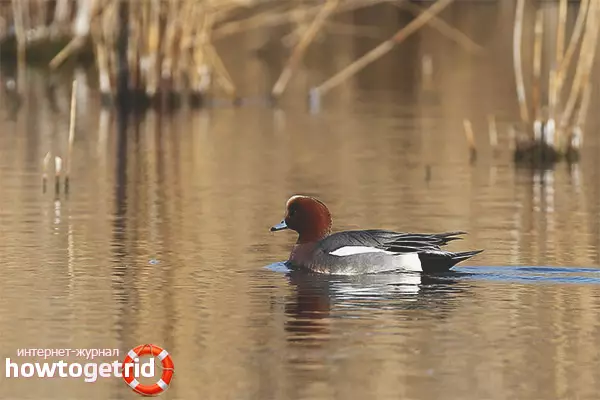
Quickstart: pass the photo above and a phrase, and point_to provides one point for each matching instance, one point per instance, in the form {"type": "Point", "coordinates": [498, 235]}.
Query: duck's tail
{"type": "Point", "coordinates": [432, 262]}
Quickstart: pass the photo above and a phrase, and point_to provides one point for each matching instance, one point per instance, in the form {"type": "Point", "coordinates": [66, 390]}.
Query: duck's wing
{"type": "Point", "coordinates": [387, 250]}
{"type": "Point", "coordinates": [377, 239]}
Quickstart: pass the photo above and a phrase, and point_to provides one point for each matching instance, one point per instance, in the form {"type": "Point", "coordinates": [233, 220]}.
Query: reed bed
{"type": "Point", "coordinates": [554, 126]}
{"type": "Point", "coordinates": [168, 51]}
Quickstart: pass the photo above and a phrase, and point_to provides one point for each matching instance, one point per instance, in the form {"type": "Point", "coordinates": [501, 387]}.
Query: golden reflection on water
{"type": "Point", "coordinates": [164, 239]}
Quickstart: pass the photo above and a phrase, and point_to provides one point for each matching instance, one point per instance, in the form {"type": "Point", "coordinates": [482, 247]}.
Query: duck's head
{"type": "Point", "coordinates": [307, 216]}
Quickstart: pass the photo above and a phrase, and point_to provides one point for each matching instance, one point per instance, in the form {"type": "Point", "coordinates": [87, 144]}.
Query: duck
{"type": "Point", "coordinates": [359, 252]}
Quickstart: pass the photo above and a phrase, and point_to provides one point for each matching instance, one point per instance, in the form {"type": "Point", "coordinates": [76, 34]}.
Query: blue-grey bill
{"type": "Point", "coordinates": [279, 227]}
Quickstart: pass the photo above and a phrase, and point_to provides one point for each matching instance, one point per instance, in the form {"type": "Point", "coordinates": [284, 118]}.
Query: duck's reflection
{"type": "Point", "coordinates": [318, 298]}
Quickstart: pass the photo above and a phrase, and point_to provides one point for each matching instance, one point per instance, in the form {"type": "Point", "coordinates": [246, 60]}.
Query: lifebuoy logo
{"type": "Point", "coordinates": [132, 362]}
{"type": "Point", "coordinates": [130, 370]}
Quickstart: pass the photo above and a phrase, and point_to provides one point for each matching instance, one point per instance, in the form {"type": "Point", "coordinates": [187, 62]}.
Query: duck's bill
{"type": "Point", "coordinates": [279, 227]}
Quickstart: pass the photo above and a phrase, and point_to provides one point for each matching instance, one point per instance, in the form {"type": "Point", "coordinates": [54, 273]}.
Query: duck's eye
{"type": "Point", "coordinates": [292, 212]}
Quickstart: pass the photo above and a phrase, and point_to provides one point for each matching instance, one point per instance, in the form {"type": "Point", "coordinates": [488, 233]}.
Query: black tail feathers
{"type": "Point", "coordinates": [432, 262]}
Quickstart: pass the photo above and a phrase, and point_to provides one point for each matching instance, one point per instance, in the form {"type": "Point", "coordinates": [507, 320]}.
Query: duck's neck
{"type": "Point", "coordinates": [302, 254]}
{"type": "Point", "coordinates": [313, 236]}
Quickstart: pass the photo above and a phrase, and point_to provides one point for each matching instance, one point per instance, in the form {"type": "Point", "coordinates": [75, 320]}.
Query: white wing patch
{"type": "Point", "coordinates": [408, 261]}
{"type": "Point", "coordinates": [351, 250]}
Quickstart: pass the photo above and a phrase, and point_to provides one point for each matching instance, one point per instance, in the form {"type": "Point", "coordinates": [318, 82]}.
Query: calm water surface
{"type": "Point", "coordinates": [165, 239]}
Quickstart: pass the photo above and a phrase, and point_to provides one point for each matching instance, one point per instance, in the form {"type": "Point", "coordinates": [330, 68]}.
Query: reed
{"type": "Point", "coordinates": [557, 127]}
{"type": "Point", "coordinates": [517, 40]}
{"type": "Point", "coordinates": [578, 131]}
{"type": "Point", "coordinates": [45, 165]}
{"type": "Point", "coordinates": [72, 121]}
{"type": "Point", "coordinates": [57, 174]}
{"type": "Point", "coordinates": [584, 66]}
{"type": "Point", "coordinates": [560, 31]}
{"type": "Point", "coordinates": [565, 62]}
{"type": "Point", "coordinates": [470, 139]}
{"type": "Point", "coordinates": [492, 131]}
{"type": "Point", "coordinates": [536, 96]}
{"type": "Point", "coordinates": [17, 7]}
{"type": "Point", "coordinates": [172, 52]}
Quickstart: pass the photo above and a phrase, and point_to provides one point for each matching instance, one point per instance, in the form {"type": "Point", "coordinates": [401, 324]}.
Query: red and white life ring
{"type": "Point", "coordinates": [167, 369]}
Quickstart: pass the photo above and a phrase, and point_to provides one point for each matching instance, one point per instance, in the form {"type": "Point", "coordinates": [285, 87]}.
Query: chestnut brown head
{"type": "Point", "coordinates": [307, 216]}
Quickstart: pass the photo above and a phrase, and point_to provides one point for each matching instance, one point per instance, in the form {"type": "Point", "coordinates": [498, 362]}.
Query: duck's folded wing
{"type": "Point", "coordinates": [374, 240]}
{"type": "Point", "coordinates": [371, 251]}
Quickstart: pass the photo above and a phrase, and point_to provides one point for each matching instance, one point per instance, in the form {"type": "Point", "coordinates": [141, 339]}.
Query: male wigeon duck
{"type": "Point", "coordinates": [364, 251]}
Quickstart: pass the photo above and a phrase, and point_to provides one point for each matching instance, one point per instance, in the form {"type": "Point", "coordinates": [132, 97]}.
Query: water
{"type": "Point", "coordinates": [164, 238]}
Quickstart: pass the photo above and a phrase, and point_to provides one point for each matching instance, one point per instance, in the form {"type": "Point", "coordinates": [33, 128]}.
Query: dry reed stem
{"type": "Point", "coordinates": [153, 32]}
{"type": "Point", "coordinates": [582, 72]}
{"type": "Point", "coordinates": [536, 97]}
{"type": "Point", "coordinates": [447, 30]}
{"type": "Point", "coordinates": [61, 13]}
{"type": "Point", "coordinates": [264, 19]}
{"type": "Point", "coordinates": [517, 39]}
{"type": "Point", "coordinates": [74, 45]}
{"type": "Point", "coordinates": [493, 131]}
{"type": "Point", "coordinates": [45, 164]}
{"type": "Point", "coordinates": [198, 56]}
{"type": "Point", "coordinates": [103, 68]}
{"type": "Point", "coordinates": [583, 109]}
{"type": "Point", "coordinates": [190, 17]}
{"type": "Point", "coordinates": [469, 135]}
{"type": "Point", "coordinates": [57, 166]}
{"type": "Point", "coordinates": [563, 67]}
{"type": "Point", "coordinates": [552, 93]}
{"type": "Point", "coordinates": [223, 75]}
{"type": "Point", "coordinates": [72, 121]}
{"type": "Point", "coordinates": [168, 48]}
{"type": "Point", "coordinates": [384, 47]}
{"type": "Point", "coordinates": [190, 27]}
{"type": "Point", "coordinates": [301, 47]}
{"type": "Point", "coordinates": [560, 32]}
{"type": "Point", "coordinates": [133, 52]}
{"type": "Point", "coordinates": [210, 54]}
{"type": "Point", "coordinates": [553, 90]}
{"type": "Point", "coordinates": [19, 30]}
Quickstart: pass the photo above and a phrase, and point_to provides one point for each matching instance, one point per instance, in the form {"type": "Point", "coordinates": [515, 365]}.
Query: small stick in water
{"type": "Point", "coordinates": [470, 139]}
{"type": "Point", "coordinates": [71, 134]}
{"type": "Point", "coordinates": [57, 171]}
{"type": "Point", "coordinates": [493, 132]}
{"type": "Point", "coordinates": [45, 171]}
